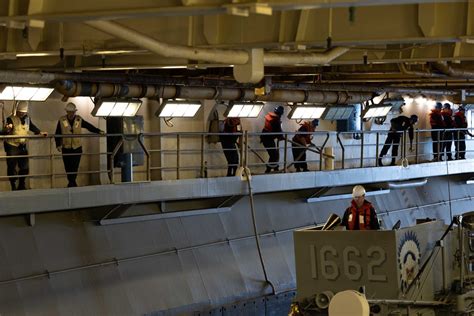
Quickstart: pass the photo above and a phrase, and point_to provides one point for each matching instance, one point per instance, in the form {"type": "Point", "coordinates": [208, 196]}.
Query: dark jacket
{"type": "Point", "coordinates": [402, 123]}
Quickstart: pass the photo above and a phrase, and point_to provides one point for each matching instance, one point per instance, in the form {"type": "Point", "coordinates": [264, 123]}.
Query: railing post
{"type": "Point", "coordinates": [362, 150]}
{"type": "Point", "coordinates": [416, 145]}
{"type": "Point", "coordinates": [112, 158]}
{"type": "Point", "coordinates": [285, 148]}
{"type": "Point", "coordinates": [202, 155]}
{"type": "Point", "coordinates": [342, 151]}
{"type": "Point", "coordinates": [51, 155]}
{"type": "Point", "coordinates": [148, 158]}
{"type": "Point", "coordinates": [404, 145]}
{"type": "Point", "coordinates": [438, 146]}
{"type": "Point", "coordinates": [178, 139]}
{"type": "Point", "coordinates": [246, 151]}
{"type": "Point", "coordinates": [321, 153]}
{"type": "Point", "coordinates": [377, 139]}
{"type": "Point", "coordinates": [241, 150]}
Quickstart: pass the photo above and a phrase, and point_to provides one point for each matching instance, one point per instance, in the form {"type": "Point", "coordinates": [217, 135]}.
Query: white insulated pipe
{"type": "Point", "coordinates": [221, 56]}
{"type": "Point", "coordinates": [288, 59]}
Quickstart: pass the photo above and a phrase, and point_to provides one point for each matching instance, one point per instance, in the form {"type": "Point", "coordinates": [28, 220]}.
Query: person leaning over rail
{"type": "Point", "coordinates": [301, 142]}
{"type": "Point", "coordinates": [71, 147]}
{"type": "Point", "coordinates": [397, 126]}
{"type": "Point", "coordinates": [361, 214]}
{"type": "Point", "coordinates": [19, 124]}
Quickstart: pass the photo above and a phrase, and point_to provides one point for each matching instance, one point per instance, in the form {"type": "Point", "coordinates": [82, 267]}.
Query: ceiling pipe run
{"type": "Point", "coordinates": [223, 56]}
{"type": "Point", "coordinates": [446, 69]}
{"type": "Point", "coordinates": [73, 88]}
{"type": "Point", "coordinates": [42, 78]}
{"type": "Point", "coordinates": [423, 74]}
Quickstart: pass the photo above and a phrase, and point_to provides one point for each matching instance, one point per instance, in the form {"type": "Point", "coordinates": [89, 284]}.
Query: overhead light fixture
{"type": "Point", "coordinates": [244, 109]}
{"type": "Point", "coordinates": [306, 112]}
{"type": "Point", "coordinates": [338, 112]}
{"type": "Point", "coordinates": [376, 111]}
{"type": "Point", "coordinates": [170, 109]}
{"type": "Point", "coordinates": [110, 107]}
{"type": "Point", "coordinates": [25, 93]}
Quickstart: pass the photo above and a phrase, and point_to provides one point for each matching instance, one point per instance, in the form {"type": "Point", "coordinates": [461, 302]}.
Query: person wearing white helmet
{"type": "Point", "coordinates": [19, 124]}
{"type": "Point", "coordinates": [71, 147]}
{"type": "Point", "coordinates": [361, 214]}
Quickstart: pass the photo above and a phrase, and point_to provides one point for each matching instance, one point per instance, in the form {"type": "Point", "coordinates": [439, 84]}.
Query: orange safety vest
{"type": "Point", "coordinates": [436, 119]}
{"type": "Point", "coordinates": [447, 117]}
{"type": "Point", "coordinates": [304, 139]}
{"type": "Point", "coordinates": [460, 122]}
{"type": "Point", "coordinates": [270, 119]}
{"type": "Point", "coordinates": [356, 212]}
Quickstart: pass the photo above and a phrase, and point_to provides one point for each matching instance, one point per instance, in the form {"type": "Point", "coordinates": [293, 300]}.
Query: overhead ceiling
{"type": "Point", "coordinates": [358, 45]}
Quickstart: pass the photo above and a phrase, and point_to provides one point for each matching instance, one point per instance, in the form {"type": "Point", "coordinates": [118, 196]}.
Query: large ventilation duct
{"type": "Point", "coordinates": [73, 88]}
{"type": "Point", "coordinates": [253, 59]}
{"type": "Point", "coordinates": [446, 69]}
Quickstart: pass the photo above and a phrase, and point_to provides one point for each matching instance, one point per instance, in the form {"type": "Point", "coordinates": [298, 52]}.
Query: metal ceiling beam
{"type": "Point", "coordinates": [195, 10]}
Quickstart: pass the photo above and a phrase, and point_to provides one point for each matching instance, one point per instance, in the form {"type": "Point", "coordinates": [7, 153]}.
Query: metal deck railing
{"type": "Point", "coordinates": [171, 156]}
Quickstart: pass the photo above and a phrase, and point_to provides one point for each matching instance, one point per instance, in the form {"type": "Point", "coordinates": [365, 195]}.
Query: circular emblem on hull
{"type": "Point", "coordinates": [408, 259]}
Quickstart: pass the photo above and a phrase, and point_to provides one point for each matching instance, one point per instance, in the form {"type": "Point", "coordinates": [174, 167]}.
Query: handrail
{"type": "Point", "coordinates": [342, 149]}
{"type": "Point", "coordinates": [321, 151]}
{"type": "Point", "coordinates": [112, 159]}
{"type": "Point", "coordinates": [191, 148]}
{"type": "Point", "coordinates": [148, 173]}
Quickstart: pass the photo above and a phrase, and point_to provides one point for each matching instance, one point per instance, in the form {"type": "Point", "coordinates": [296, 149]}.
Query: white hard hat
{"type": "Point", "coordinates": [22, 106]}
{"type": "Point", "coordinates": [70, 107]}
{"type": "Point", "coordinates": [358, 191]}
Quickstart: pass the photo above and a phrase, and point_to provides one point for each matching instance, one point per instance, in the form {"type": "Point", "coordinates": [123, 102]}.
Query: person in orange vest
{"type": "Point", "coordinates": [361, 214]}
{"type": "Point", "coordinates": [301, 143]}
{"type": "Point", "coordinates": [229, 144]}
{"type": "Point", "coordinates": [460, 123]}
{"type": "Point", "coordinates": [447, 114]}
{"type": "Point", "coordinates": [272, 125]}
{"type": "Point", "coordinates": [437, 126]}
